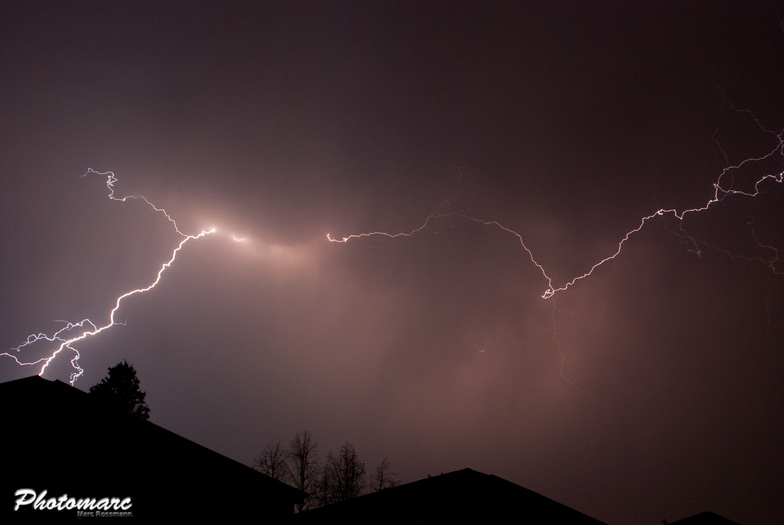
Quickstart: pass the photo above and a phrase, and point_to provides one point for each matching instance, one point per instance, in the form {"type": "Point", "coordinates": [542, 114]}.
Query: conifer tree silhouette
{"type": "Point", "coordinates": [120, 389]}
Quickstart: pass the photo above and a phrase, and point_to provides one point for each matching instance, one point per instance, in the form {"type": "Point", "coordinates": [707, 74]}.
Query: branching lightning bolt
{"type": "Point", "coordinates": [723, 187]}
{"type": "Point", "coordinates": [86, 328]}
{"type": "Point", "coordinates": [720, 192]}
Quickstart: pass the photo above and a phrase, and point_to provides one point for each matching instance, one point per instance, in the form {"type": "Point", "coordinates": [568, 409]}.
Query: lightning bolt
{"type": "Point", "coordinates": [721, 190]}
{"type": "Point", "coordinates": [74, 332]}
{"type": "Point", "coordinates": [724, 187]}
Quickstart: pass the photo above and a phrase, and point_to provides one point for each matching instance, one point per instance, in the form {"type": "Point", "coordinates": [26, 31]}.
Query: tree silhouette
{"type": "Point", "coordinates": [273, 461]}
{"type": "Point", "coordinates": [384, 478]}
{"type": "Point", "coordinates": [120, 389]}
{"type": "Point", "coordinates": [322, 488]}
{"type": "Point", "coordinates": [345, 474]}
{"type": "Point", "coordinates": [303, 466]}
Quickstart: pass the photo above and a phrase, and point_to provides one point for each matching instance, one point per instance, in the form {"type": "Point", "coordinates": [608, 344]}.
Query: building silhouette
{"type": "Point", "coordinates": [63, 443]}
{"type": "Point", "coordinates": [463, 496]}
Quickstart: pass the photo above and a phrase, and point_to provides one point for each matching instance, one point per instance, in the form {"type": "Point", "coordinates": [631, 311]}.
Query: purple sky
{"type": "Point", "coordinates": [651, 389]}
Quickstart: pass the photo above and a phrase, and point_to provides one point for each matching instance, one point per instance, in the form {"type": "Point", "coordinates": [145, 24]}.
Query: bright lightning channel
{"type": "Point", "coordinates": [63, 337]}
{"type": "Point", "coordinates": [720, 191]}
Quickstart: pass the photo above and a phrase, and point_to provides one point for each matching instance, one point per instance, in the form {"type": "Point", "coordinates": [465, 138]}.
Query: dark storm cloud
{"type": "Point", "coordinates": [648, 390]}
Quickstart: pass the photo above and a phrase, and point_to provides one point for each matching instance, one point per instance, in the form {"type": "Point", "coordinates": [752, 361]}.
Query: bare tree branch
{"type": "Point", "coordinates": [345, 474]}
{"type": "Point", "coordinates": [303, 468]}
{"type": "Point", "coordinates": [272, 461]}
{"type": "Point", "coordinates": [384, 478]}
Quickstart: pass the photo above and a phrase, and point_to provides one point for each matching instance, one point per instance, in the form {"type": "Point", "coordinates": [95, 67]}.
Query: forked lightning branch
{"type": "Point", "coordinates": [66, 339]}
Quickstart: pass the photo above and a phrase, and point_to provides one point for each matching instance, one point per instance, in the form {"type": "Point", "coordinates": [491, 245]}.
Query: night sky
{"type": "Point", "coordinates": [651, 389]}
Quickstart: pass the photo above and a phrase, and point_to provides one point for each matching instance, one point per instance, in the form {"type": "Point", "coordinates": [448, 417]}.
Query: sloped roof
{"type": "Point", "coordinates": [704, 518]}
{"type": "Point", "coordinates": [461, 496]}
{"type": "Point", "coordinates": [60, 439]}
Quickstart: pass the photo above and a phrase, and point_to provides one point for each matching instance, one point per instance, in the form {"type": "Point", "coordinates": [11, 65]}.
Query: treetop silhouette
{"type": "Point", "coordinates": [120, 389]}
